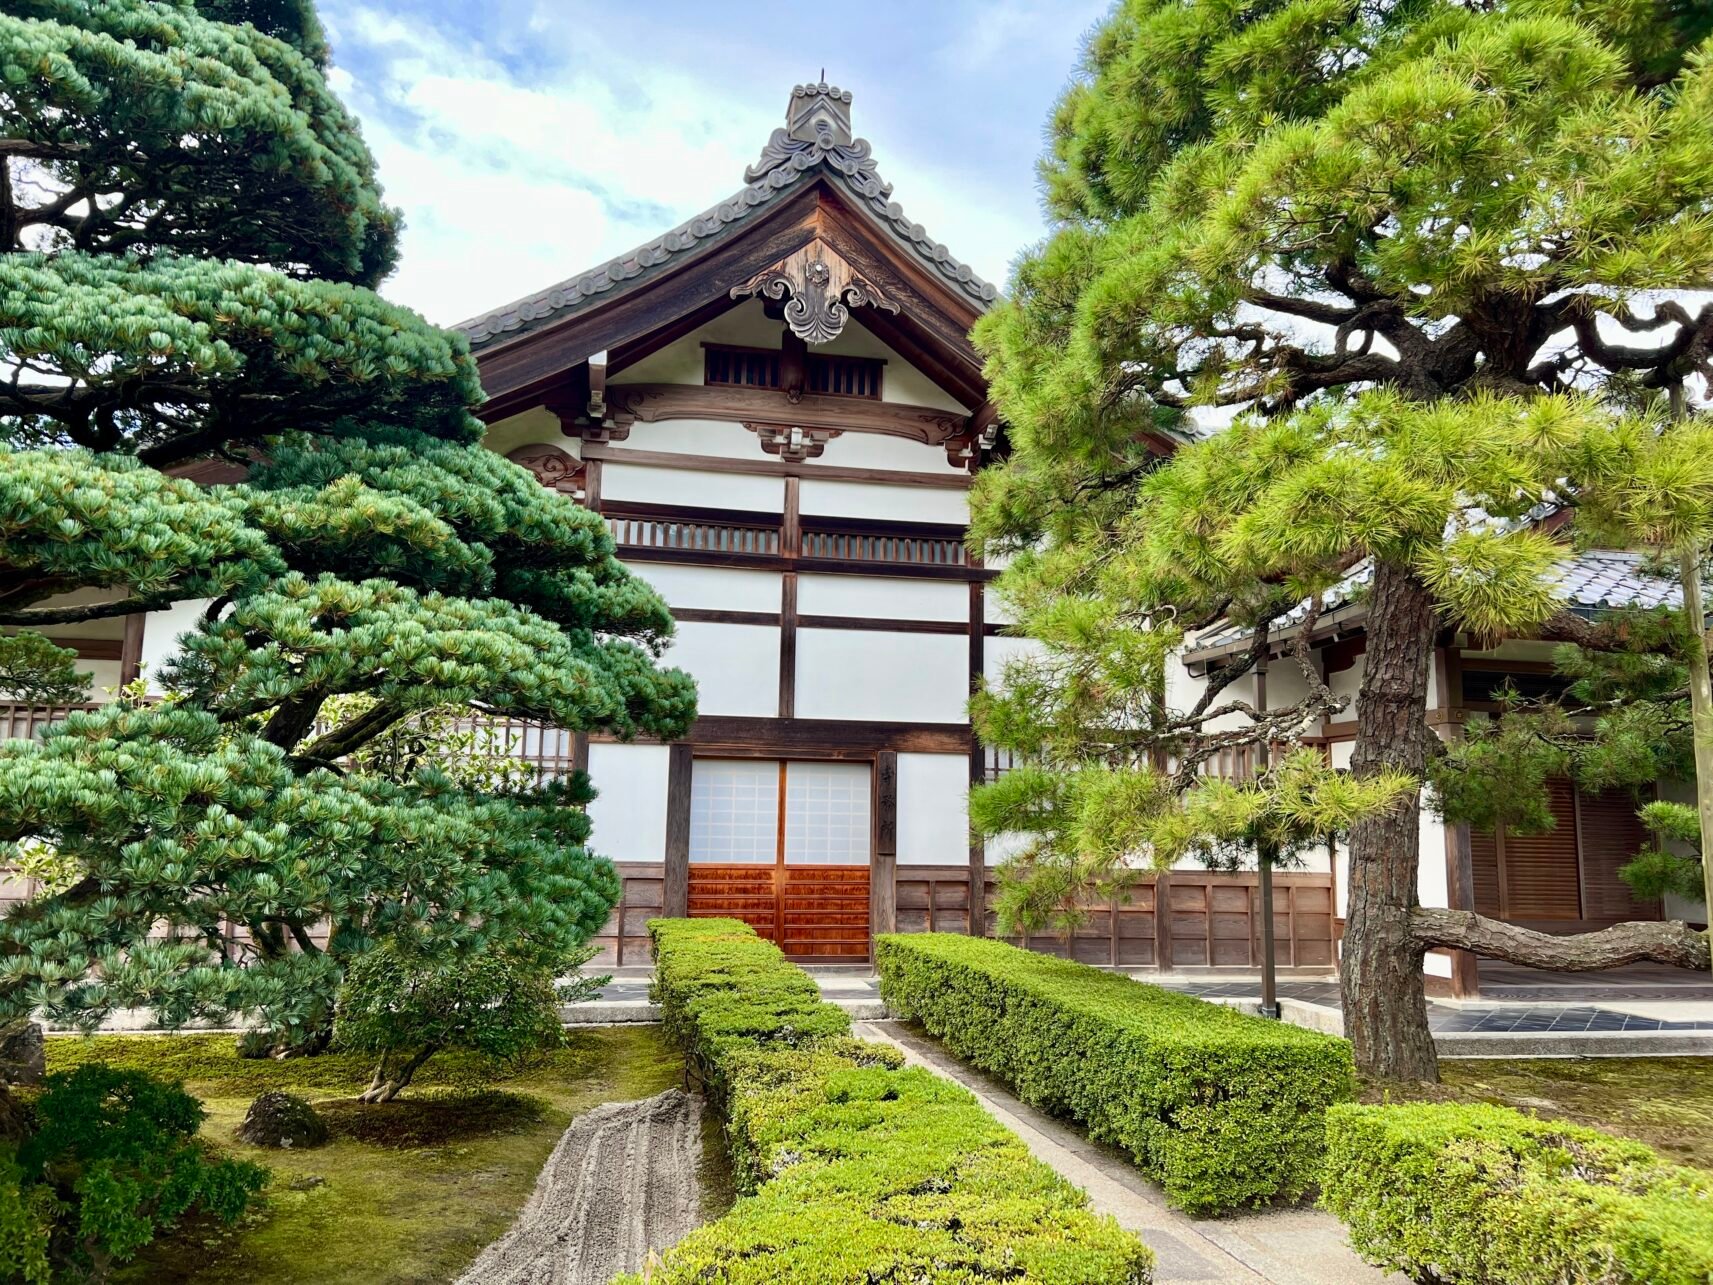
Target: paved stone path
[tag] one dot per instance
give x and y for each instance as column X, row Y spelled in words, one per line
column 1287, row 1247
column 620, row 1184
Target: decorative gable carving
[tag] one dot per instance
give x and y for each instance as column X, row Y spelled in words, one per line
column 819, row 289
column 553, row 467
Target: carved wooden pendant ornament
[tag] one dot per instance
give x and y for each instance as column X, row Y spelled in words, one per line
column 819, row 288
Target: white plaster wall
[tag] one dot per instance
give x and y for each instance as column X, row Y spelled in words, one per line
column 876, row 500
column 694, row 437
column 885, row 450
column 995, row 610
column 885, row 677
column 933, row 809
column 879, row 597
column 641, row 482
column 160, row 635
column 1694, row 912
column 748, row 325
column 736, row 667
column 629, row 812
column 528, row 429
column 711, row 588
column 103, row 678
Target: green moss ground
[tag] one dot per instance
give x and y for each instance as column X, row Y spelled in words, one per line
column 408, row 1192
column 1666, row 1102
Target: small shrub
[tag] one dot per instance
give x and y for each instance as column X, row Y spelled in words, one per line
column 406, row 1009
column 277, row 1119
column 113, row 1164
column 1221, row 1109
column 1483, row 1195
column 852, row 1168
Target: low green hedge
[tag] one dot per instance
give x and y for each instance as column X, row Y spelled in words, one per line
column 1483, row 1195
column 850, row 1167
column 1219, row 1108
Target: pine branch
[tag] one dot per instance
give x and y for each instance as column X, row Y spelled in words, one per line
column 1662, row 943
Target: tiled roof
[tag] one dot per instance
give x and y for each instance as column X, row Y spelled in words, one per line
column 786, row 164
column 1595, row 580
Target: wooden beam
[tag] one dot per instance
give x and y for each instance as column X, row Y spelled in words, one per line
column 680, row 766
column 768, row 466
column 1459, row 859
column 624, row 356
column 788, row 645
column 883, row 867
column 131, row 650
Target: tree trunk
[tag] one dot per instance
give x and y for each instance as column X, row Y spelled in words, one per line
column 1380, row 967
column 1669, row 943
column 1701, row 709
column 385, row 1085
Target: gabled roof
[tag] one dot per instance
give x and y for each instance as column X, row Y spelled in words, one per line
column 1593, row 581
column 816, row 143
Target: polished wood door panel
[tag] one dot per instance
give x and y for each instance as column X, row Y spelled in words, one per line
column 810, row 911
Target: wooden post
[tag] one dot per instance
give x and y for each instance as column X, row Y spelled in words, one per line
column 883, row 868
column 978, row 759
column 1266, row 853
column 675, row 898
column 1459, row 862
column 131, row 650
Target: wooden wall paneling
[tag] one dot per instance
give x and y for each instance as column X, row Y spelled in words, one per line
column 883, row 887
column 1540, row 875
column 680, row 768
column 1611, row 835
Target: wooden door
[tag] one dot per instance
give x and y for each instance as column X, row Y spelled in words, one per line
column 1569, row 874
column 784, row 847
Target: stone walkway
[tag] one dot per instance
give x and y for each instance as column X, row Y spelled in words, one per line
column 1287, row 1247
column 621, row 1184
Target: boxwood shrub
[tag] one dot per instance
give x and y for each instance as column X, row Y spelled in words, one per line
column 849, row 1166
column 1221, row 1109
column 1483, row 1194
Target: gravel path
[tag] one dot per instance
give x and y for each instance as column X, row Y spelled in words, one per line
column 621, row 1182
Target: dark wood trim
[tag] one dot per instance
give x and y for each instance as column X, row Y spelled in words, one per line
column 817, row 566
column 644, row 510
column 580, row 752
column 877, row 624
column 791, row 520
column 883, row 862
column 882, row 526
column 651, row 403
column 788, row 645
column 680, row 766
column 719, row 616
column 787, row 736
column 769, row 467
column 870, row 624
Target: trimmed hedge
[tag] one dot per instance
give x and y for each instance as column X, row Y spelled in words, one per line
column 1221, row 1109
column 1479, row 1194
column 850, row 1167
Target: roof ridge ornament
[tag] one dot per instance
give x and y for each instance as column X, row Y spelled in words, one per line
column 819, row 288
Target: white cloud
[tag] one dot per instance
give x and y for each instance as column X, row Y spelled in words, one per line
column 539, row 150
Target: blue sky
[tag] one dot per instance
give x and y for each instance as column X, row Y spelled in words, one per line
column 527, row 140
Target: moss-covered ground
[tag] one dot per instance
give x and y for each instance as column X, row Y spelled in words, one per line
column 406, row 1192
column 1666, row 1102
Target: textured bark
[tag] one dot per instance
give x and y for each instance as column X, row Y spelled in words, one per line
column 1380, row 970
column 388, row 1084
column 1662, row 943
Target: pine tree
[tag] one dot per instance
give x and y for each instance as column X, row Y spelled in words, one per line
column 190, row 236
column 1399, row 241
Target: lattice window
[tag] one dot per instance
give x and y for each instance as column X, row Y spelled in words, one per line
column 734, row 811
column 827, row 813
column 741, row 367
column 693, row 536
column 871, row 546
column 845, row 376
